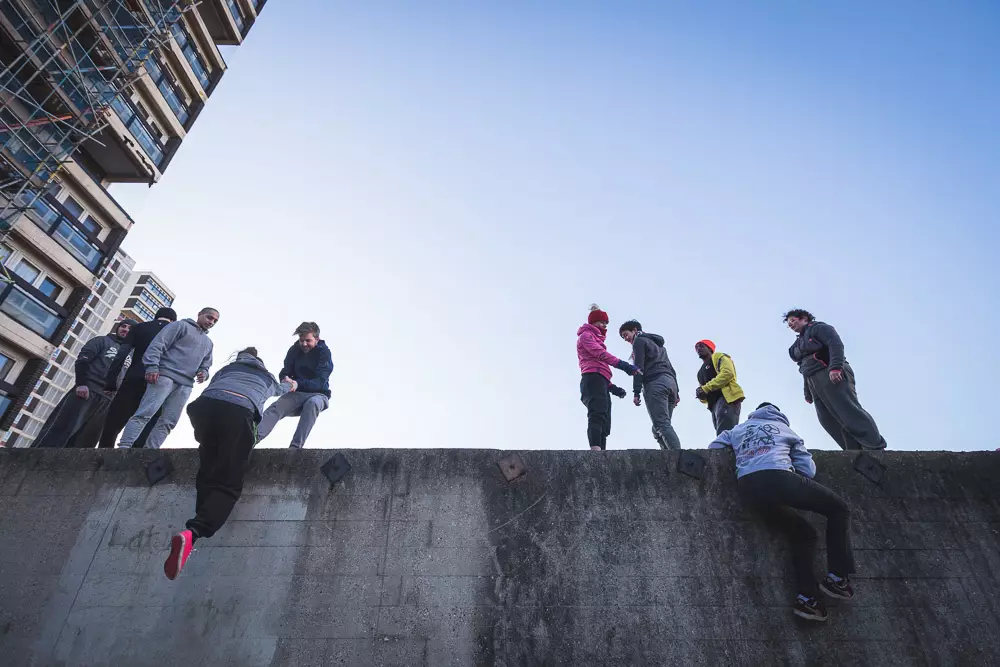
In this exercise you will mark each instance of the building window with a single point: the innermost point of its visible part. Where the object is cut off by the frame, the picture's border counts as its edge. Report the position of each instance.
(26, 270)
(30, 312)
(49, 288)
(114, 266)
(73, 207)
(91, 225)
(5, 252)
(6, 363)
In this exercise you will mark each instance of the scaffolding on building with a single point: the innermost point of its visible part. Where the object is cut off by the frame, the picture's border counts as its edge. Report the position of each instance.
(72, 64)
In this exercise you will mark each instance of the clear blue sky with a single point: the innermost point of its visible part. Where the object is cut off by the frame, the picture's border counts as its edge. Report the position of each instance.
(445, 188)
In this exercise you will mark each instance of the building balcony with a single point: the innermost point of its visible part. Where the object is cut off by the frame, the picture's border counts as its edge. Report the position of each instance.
(227, 21)
(200, 60)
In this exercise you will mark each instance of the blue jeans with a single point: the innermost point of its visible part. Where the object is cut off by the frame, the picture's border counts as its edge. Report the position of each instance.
(166, 394)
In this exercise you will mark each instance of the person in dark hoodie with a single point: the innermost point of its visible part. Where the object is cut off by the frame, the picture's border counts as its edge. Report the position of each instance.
(180, 354)
(128, 395)
(77, 420)
(595, 381)
(309, 363)
(658, 381)
(774, 473)
(225, 419)
(829, 383)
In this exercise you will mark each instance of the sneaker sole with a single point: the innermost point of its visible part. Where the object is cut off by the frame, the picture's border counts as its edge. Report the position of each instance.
(834, 593)
(809, 617)
(172, 566)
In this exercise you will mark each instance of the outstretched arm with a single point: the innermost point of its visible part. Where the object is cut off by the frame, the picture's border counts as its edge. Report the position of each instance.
(802, 460)
(723, 441)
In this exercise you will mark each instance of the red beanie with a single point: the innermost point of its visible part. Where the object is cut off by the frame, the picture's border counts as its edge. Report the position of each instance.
(597, 315)
(709, 344)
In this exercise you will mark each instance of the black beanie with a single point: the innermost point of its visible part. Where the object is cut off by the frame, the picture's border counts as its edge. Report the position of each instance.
(168, 313)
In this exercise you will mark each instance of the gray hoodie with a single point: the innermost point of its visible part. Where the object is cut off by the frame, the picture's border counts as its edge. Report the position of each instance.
(248, 377)
(179, 352)
(765, 442)
(649, 355)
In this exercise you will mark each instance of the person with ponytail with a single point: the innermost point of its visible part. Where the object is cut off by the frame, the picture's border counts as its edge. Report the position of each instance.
(225, 419)
(595, 383)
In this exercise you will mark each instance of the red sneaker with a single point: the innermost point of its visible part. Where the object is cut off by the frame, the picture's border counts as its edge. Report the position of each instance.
(180, 549)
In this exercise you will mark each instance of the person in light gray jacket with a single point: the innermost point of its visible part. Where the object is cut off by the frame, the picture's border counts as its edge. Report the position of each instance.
(225, 419)
(180, 354)
(774, 472)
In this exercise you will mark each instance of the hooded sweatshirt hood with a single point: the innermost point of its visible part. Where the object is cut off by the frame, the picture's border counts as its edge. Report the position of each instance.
(245, 382)
(765, 441)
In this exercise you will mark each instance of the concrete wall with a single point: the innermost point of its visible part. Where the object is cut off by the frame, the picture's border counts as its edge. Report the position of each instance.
(432, 558)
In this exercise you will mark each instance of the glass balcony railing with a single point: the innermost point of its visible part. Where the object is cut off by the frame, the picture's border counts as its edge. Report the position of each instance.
(234, 10)
(167, 89)
(30, 312)
(137, 126)
(64, 231)
(4, 404)
(197, 65)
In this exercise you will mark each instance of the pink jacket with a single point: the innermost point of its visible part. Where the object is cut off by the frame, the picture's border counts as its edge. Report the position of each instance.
(593, 355)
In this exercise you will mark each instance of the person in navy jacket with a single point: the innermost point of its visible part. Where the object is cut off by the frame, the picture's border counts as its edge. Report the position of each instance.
(309, 363)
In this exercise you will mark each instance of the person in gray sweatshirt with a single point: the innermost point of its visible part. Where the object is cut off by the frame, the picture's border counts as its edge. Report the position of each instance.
(225, 419)
(658, 381)
(180, 354)
(774, 473)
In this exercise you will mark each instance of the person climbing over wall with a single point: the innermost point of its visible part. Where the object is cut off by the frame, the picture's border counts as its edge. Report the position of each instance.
(657, 382)
(595, 383)
(128, 395)
(829, 382)
(225, 419)
(78, 418)
(774, 473)
(717, 386)
(309, 363)
(177, 357)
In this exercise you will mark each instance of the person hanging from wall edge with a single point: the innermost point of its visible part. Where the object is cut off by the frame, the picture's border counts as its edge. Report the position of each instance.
(225, 419)
(79, 417)
(657, 381)
(718, 388)
(774, 476)
(309, 363)
(129, 393)
(595, 382)
(177, 357)
(829, 384)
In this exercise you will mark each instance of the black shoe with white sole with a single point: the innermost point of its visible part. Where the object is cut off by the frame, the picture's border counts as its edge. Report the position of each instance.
(811, 609)
(841, 590)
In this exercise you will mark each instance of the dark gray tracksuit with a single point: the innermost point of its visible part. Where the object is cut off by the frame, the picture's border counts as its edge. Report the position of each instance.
(817, 351)
(77, 422)
(659, 384)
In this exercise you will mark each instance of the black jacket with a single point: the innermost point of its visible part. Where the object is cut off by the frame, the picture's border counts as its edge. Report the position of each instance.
(650, 356)
(136, 342)
(95, 357)
(311, 371)
(818, 347)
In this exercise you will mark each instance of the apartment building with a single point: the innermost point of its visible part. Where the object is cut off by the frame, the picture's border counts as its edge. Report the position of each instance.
(146, 295)
(92, 93)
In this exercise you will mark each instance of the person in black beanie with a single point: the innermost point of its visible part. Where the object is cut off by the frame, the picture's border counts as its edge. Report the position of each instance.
(77, 420)
(133, 386)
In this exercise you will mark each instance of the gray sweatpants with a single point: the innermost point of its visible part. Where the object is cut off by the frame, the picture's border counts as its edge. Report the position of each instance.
(840, 412)
(306, 406)
(725, 416)
(660, 394)
(166, 394)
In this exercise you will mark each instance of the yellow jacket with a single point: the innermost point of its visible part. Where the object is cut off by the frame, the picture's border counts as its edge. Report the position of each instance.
(725, 379)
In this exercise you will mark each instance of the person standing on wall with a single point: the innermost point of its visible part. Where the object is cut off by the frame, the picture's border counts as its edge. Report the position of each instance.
(829, 382)
(79, 416)
(133, 386)
(309, 363)
(225, 419)
(774, 475)
(595, 383)
(717, 386)
(658, 381)
(180, 354)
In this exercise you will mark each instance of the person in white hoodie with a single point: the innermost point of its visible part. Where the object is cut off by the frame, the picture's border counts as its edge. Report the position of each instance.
(774, 473)
(180, 354)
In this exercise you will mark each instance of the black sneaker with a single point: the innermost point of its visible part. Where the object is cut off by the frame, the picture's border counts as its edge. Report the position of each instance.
(811, 609)
(841, 590)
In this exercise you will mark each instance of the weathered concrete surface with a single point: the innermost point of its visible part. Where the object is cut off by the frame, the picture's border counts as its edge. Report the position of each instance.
(431, 558)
